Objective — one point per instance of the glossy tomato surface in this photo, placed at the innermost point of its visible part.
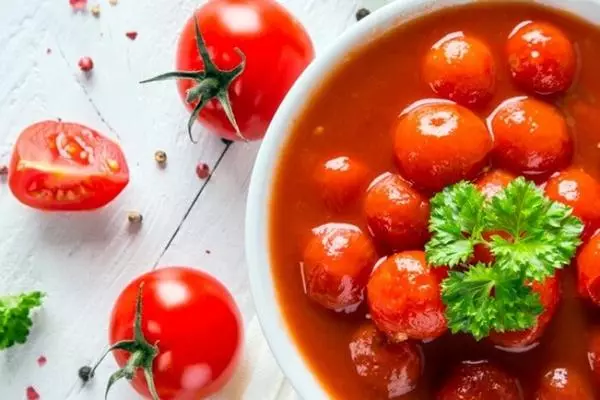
(588, 269)
(480, 381)
(196, 325)
(277, 50)
(564, 384)
(63, 166)
(340, 181)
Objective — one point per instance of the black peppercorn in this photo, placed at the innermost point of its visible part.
(362, 13)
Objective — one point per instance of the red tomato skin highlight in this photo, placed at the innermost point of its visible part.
(531, 138)
(579, 190)
(549, 292)
(41, 173)
(480, 381)
(341, 180)
(336, 266)
(397, 214)
(593, 354)
(277, 48)
(588, 270)
(564, 384)
(438, 143)
(195, 323)
(541, 57)
(461, 68)
(404, 298)
(393, 369)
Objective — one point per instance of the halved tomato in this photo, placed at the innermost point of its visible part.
(66, 166)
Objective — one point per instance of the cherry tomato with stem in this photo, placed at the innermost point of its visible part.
(176, 333)
(63, 166)
(236, 61)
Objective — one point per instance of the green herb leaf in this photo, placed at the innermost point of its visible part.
(456, 224)
(485, 299)
(544, 234)
(15, 317)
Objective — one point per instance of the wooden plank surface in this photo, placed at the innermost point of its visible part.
(82, 261)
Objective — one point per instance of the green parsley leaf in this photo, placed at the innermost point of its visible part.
(544, 234)
(15, 318)
(485, 299)
(456, 223)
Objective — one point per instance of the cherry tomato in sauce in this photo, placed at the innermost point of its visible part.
(397, 214)
(564, 384)
(438, 143)
(542, 58)
(336, 266)
(461, 68)
(579, 190)
(588, 270)
(393, 369)
(531, 138)
(340, 181)
(593, 354)
(63, 166)
(549, 292)
(404, 298)
(480, 381)
(494, 182)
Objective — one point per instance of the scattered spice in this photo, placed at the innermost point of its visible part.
(85, 373)
(86, 64)
(202, 170)
(207, 251)
(48, 50)
(362, 13)
(31, 393)
(42, 361)
(131, 35)
(135, 217)
(3, 170)
(113, 2)
(95, 10)
(160, 157)
(78, 5)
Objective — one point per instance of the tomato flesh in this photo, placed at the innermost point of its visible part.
(66, 166)
(195, 323)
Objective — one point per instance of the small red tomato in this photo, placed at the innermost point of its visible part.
(541, 57)
(404, 298)
(393, 369)
(494, 182)
(66, 166)
(340, 181)
(440, 143)
(588, 270)
(480, 381)
(85, 64)
(530, 137)
(564, 384)
(549, 292)
(185, 334)
(255, 50)
(580, 191)
(397, 215)
(336, 266)
(461, 68)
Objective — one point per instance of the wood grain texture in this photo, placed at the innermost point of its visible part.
(82, 261)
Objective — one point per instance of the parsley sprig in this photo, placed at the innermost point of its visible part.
(540, 236)
(15, 317)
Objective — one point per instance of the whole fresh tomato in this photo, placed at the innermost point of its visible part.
(176, 334)
(65, 166)
(234, 74)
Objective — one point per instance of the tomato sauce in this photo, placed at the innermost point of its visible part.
(354, 114)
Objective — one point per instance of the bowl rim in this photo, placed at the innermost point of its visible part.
(257, 222)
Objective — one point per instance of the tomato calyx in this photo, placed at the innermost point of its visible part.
(211, 83)
(142, 355)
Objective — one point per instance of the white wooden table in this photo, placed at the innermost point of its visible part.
(82, 261)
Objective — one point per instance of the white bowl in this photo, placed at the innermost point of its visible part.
(258, 209)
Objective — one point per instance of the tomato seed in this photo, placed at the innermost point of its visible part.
(85, 64)
(78, 5)
(160, 157)
(134, 217)
(203, 170)
(112, 164)
(95, 10)
(31, 393)
(42, 361)
(131, 35)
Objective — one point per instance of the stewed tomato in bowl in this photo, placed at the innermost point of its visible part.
(423, 213)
